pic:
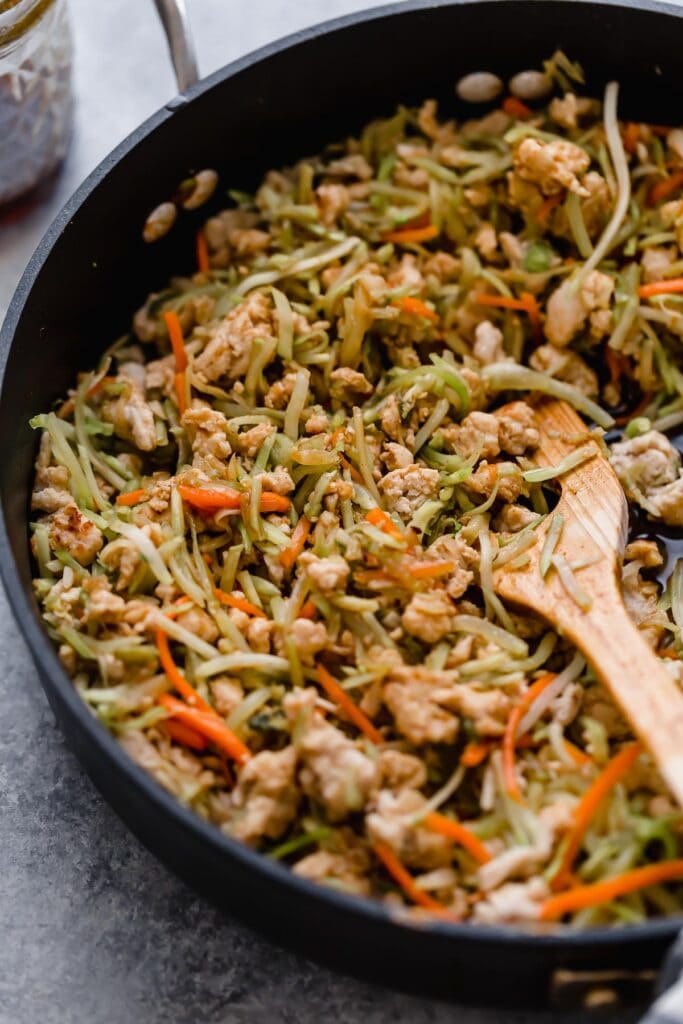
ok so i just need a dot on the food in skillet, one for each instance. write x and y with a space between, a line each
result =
266 526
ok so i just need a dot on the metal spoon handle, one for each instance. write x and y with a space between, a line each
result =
174 19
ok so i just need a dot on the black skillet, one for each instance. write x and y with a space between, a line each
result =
92 269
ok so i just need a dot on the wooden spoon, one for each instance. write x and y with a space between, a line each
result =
595 514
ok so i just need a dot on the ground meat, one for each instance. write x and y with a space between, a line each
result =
407 489
488 710
266 797
486 241
429 616
641 597
73 532
229 349
334 773
551 165
309 638
332 201
131 416
566 110
249 442
455 549
121 555
345 864
488 343
396 456
517 430
648 461
278 480
568 307
278 394
207 431
567 366
392 821
513 518
417 713
401 771
200 624
656 262
227 694
508 475
326 574
348 385
477 434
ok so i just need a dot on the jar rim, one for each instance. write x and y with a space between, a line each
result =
24 22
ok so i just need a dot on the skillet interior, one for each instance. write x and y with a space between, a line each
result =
92 270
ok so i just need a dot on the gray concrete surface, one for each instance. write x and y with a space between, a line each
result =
92 928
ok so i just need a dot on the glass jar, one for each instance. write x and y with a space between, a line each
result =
36 104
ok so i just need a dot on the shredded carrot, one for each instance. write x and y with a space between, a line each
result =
240 603
610 889
670 287
510 736
526 303
542 214
578 756
98 385
459 834
615 365
299 536
405 236
309 610
132 497
621 421
515 108
179 383
202 253
668 652
385 523
355 474
175 676
613 771
406 881
430 570
475 753
175 334
211 501
631 137
208 725
415 307
342 699
184 734
663 189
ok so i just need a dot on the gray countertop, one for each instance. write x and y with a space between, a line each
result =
92 928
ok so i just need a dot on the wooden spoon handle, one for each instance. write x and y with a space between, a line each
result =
637 680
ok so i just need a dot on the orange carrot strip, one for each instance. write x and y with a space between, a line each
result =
301 531
670 287
355 475
184 734
578 756
308 610
342 699
526 303
179 681
542 214
240 603
180 391
202 253
175 334
210 501
615 364
98 385
430 570
386 855
663 189
613 771
208 725
415 307
631 137
459 834
475 753
510 735
533 311
385 523
405 236
132 497
610 889
515 108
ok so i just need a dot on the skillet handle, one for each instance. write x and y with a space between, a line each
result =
179 37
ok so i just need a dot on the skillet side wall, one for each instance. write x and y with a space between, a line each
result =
92 270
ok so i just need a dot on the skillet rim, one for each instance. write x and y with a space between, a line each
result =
53 676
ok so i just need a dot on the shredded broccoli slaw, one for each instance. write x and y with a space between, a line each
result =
266 527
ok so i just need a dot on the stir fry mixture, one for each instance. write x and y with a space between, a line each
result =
267 525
